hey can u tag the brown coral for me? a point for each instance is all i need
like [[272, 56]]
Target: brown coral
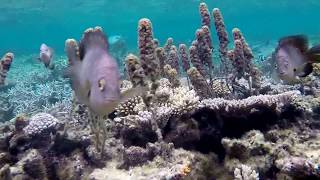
[[199, 83], [161, 56], [135, 71], [173, 59], [196, 61], [147, 49], [172, 75], [167, 46], [5, 65], [184, 56]]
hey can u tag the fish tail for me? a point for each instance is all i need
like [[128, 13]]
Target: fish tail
[[92, 38], [313, 54]]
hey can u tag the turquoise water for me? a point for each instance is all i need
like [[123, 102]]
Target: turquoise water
[[27, 24]]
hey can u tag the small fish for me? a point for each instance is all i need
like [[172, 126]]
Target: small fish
[[114, 39], [294, 58], [46, 55], [94, 73]]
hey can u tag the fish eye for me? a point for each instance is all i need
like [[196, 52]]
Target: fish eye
[[294, 69], [101, 84]]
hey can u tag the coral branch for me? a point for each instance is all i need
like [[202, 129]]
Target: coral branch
[[183, 51], [147, 49], [205, 14], [222, 36]]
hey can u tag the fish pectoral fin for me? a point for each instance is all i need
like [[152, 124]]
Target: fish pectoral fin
[[297, 41], [92, 38], [314, 54], [133, 92]]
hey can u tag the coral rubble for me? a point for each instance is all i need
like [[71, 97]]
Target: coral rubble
[[227, 123]]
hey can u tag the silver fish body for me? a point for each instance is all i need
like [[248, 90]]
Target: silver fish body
[[93, 72], [46, 54], [294, 59]]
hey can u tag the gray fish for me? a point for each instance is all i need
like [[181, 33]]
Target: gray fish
[[294, 58], [94, 74], [46, 55]]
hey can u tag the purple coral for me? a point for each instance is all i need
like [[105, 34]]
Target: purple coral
[[204, 50], [183, 51], [205, 14], [161, 56], [248, 65], [237, 35], [173, 59], [222, 36], [167, 46], [196, 61], [5, 65], [147, 49]]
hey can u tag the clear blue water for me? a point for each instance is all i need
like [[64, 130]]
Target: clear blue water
[[25, 24]]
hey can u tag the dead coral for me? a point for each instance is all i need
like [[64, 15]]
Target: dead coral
[[245, 173], [199, 83]]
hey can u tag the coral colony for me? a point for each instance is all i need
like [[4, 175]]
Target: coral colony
[[221, 122]]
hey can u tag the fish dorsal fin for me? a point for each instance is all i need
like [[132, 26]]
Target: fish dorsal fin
[[297, 41], [72, 51], [92, 38]]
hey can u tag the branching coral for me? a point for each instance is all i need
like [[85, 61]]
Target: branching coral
[[28, 98], [220, 88], [131, 107], [245, 172], [183, 100]]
